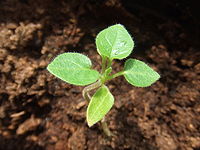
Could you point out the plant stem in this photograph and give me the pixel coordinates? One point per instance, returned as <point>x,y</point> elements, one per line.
<point>109,64</point>
<point>87,89</point>
<point>106,63</point>
<point>116,75</point>
<point>87,97</point>
<point>105,128</point>
<point>103,65</point>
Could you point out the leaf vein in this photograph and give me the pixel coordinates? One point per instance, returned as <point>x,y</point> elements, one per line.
<point>99,106</point>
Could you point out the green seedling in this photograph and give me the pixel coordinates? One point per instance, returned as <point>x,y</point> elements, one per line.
<point>112,43</point>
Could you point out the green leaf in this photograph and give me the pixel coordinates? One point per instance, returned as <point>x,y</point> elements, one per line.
<point>74,68</point>
<point>114,42</point>
<point>139,74</point>
<point>100,104</point>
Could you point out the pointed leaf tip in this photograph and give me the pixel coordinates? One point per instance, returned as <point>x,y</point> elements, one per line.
<point>100,104</point>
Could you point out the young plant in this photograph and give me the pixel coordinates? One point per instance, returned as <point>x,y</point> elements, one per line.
<point>112,43</point>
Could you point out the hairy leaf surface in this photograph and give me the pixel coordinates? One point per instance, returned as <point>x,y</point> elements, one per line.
<point>139,74</point>
<point>114,42</point>
<point>100,104</point>
<point>74,68</point>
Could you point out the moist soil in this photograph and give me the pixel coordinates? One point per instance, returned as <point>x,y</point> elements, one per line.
<point>40,112</point>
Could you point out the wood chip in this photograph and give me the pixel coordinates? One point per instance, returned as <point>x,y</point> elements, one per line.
<point>16,115</point>
<point>28,125</point>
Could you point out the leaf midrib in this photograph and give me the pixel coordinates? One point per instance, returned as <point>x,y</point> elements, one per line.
<point>99,105</point>
<point>110,55</point>
<point>139,73</point>
<point>77,64</point>
<point>74,69</point>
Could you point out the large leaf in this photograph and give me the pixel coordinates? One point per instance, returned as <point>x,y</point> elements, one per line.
<point>114,42</point>
<point>74,68</point>
<point>139,74</point>
<point>100,104</point>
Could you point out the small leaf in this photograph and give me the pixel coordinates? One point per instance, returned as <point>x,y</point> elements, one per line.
<point>114,42</point>
<point>139,74</point>
<point>108,71</point>
<point>74,68</point>
<point>100,104</point>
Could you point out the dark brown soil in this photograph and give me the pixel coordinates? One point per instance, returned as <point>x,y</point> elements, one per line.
<point>41,112</point>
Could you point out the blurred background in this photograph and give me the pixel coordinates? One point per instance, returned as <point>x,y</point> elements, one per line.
<point>41,112</point>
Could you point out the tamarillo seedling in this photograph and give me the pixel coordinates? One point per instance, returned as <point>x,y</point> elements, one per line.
<point>112,43</point>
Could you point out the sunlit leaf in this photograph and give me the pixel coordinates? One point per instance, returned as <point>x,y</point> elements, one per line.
<point>74,68</point>
<point>139,74</point>
<point>114,42</point>
<point>100,104</point>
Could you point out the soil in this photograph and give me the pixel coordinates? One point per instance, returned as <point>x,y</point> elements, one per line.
<point>41,112</point>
